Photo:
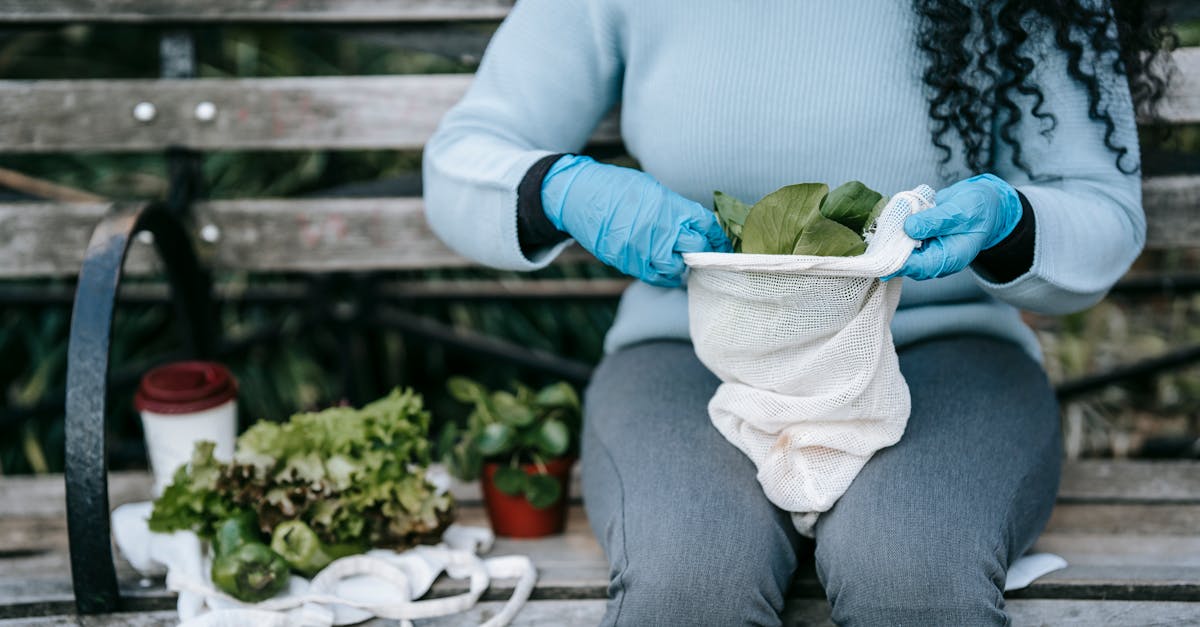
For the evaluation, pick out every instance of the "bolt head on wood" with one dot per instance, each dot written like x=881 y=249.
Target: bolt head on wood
x=206 y=111
x=210 y=233
x=145 y=112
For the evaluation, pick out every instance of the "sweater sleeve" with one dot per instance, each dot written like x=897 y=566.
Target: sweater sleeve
x=548 y=76
x=1089 y=220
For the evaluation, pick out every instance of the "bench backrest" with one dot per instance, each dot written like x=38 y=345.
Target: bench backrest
x=280 y=114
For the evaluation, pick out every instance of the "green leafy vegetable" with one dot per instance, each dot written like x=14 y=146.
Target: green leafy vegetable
x=802 y=219
x=192 y=501
x=352 y=476
x=851 y=205
x=731 y=213
x=829 y=239
x=874 y=215
x=776 y=221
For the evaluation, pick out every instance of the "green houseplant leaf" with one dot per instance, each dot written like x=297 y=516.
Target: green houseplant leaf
x=510 y=480
x=495 y=439
x=542 y=491
x=553 y=438
x=465 y=390
x=775 y=222
x=511 y=411
x=851 y=205
x=560 y=395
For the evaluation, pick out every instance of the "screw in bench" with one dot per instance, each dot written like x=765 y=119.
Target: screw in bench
x=210 y=233
x=145 y=112
x=206 y=111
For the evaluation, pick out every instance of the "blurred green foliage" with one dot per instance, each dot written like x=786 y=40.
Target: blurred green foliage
x=305 y=371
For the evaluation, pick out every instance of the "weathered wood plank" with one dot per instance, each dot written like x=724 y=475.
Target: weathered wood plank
x=44 y=239
x=1122 y=550
x=1121 y=564
x=1107 y=481
x=356 y=112
x=1134 y=519
x=333 y=234
x=797 y=613
x=351 y=112
x=142 y=11
x=286 y=11
x=1172 y=204
x=1182 y=104
x=1087 y=481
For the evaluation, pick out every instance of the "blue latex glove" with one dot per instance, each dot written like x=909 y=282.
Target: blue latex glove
x=627 y=219
x=969 y=216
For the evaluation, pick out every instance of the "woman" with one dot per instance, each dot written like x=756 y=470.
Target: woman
x=746 y=97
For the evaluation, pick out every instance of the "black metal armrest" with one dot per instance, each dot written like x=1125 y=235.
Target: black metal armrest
x=93 y=574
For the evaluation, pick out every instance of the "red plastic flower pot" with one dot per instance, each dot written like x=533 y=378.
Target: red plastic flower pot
x=513 y=516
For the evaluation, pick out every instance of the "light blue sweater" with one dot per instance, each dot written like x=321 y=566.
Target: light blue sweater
x=747 y=97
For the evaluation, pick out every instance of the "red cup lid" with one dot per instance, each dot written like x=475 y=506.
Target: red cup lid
x=184 y=387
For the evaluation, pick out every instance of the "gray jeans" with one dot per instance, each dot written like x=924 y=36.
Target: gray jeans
x=923 y=536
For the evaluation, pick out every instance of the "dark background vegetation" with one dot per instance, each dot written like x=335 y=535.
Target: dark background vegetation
x=305 y=371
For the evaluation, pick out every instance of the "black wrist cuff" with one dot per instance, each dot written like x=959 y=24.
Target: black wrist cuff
x=1013 y=256
x=534 y=230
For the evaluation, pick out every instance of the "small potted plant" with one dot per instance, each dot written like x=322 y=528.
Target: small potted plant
x=521 y=445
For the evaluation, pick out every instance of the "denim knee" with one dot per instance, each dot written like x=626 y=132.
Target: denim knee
x=694 y=593
x=912 y=581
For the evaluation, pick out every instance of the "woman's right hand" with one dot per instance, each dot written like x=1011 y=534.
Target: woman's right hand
x=627 y=219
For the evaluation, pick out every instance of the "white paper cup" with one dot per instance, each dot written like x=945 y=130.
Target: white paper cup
x=182 y=403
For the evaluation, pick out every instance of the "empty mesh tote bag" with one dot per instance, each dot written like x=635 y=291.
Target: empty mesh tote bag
x=811 y=386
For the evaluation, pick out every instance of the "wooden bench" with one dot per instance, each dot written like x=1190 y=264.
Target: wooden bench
x=1129 y=529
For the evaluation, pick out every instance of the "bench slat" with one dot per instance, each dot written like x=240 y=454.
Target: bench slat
x=1102 y=482
x=798 y=613
x=285 y=235
x=339 y=112
x=343 y=112
x=1133 y=551
x=1144 y=481
x=43 y=239
x=286 y=11
x=1182 y=106
x=34 y=570
x=140 y=11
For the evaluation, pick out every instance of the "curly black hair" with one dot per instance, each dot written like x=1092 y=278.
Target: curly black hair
x=981 y=53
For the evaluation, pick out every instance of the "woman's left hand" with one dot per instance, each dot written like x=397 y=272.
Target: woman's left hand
x=970 y=216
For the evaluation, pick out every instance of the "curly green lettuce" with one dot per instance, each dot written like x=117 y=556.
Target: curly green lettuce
x=192 y=501
x=353 y=476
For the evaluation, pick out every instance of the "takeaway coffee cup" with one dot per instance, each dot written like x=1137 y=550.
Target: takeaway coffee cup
x=181 y=403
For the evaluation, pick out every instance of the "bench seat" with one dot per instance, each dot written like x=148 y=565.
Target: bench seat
x=1130 y=530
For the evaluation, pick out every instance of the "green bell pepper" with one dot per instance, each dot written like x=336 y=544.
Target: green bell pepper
x=304 y=551
x=243 y=566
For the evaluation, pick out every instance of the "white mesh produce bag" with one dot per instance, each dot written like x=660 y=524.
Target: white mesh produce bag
x=811 y=386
